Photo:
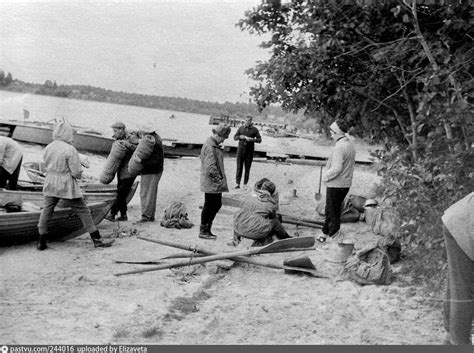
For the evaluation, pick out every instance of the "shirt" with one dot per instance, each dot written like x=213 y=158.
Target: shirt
x=250 y=131
x=340 y=166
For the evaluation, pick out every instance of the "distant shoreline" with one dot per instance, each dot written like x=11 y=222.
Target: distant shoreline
x=178 y=104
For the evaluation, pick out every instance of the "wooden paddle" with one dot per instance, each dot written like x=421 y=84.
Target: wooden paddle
x=291 y=243
x=318 y=195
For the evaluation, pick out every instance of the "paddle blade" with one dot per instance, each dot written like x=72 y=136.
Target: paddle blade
x=285 y=244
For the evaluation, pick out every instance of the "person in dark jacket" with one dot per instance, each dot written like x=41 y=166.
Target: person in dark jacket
x=213 y=180
x=124 y=179
x=247 y=135
x=151 y=175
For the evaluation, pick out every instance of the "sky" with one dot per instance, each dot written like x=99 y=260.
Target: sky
x=190 y=49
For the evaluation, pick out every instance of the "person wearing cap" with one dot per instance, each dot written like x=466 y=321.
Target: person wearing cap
x=150 y=174
x=338 y=179
x=63 y=170
x=124 y=179
x=213 y=181
x=257 y=218
x=11 y=156
x=247 y=135
x=458 y=228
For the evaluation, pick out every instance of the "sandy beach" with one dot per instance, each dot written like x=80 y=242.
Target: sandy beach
x=69 y=294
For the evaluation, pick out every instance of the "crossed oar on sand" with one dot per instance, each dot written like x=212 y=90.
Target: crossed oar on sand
x=284 y=245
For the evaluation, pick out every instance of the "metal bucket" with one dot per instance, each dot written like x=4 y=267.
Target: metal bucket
x=339 y=252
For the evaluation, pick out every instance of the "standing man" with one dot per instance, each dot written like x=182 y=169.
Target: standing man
x=247 y=135
x=151 y=175
x=340 y=169
x=458 y=223
x=10 y=162
x=124 y=179
x=63 y=170
x=213 y=179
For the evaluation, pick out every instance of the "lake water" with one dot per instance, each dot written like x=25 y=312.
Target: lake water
x=186 y=127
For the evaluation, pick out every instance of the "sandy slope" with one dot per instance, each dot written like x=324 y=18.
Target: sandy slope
x=68 y=294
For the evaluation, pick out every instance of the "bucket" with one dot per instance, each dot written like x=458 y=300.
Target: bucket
x=339 y=252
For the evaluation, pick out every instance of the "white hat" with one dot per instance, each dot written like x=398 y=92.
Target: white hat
x=370 y=202
x=147 y=127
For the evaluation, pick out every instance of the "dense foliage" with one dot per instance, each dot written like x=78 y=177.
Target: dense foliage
x=401 y=73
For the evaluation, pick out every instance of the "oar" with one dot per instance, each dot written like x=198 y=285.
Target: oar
x=292 y=243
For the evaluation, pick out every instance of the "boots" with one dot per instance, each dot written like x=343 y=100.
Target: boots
x=210 y=231
x=99 y=242
x=205 y=232
x=41 y=245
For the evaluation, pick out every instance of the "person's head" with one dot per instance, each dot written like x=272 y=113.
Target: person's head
x=248 y=120
x=221 y=132
x=119 y=130
x=147 y=128
x=338 y=129
x=62 y=131
x=265 y=184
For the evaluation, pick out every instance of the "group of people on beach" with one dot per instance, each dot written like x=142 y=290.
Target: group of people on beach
x=257 y=218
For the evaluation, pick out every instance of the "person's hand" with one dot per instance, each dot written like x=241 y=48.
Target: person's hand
x=138 y=159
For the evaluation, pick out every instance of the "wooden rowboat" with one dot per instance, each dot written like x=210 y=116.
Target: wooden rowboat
x=22 y=227
x=36 y=172
x=95 y=190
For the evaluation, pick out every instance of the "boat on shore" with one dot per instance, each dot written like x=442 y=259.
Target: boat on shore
x=22 y=227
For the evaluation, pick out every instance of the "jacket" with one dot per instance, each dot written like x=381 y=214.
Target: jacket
x=254 y=219
x=459 y=220
x=213 y=179
x=154 y=163
x=340 y=166
x=10 y=154
x=63 y=165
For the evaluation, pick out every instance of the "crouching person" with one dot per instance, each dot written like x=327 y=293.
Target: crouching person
x=257 y=218
x=63 y=170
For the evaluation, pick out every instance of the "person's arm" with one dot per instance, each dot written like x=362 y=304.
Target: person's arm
x=258 y=138
x=210 y=164
x=74 y=164
x=336 y=164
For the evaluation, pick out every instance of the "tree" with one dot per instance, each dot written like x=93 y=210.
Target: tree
x=400 y=72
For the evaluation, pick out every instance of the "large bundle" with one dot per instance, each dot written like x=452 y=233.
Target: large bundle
x=349 y=212
x=143 y=151
x=113 y=161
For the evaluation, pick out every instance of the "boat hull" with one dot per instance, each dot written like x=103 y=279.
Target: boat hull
x=22 y=227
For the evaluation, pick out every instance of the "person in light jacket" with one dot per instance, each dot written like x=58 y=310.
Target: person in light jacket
x=340 y=170
x=257 y=217
x=458 y=223
x=213 y=179
x=63 y=170
x=11 y=156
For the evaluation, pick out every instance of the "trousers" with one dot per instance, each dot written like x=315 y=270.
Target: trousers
x=212 y=205
x=334 y=200
x=78 y=206
x=149 y=194
x=123 y=188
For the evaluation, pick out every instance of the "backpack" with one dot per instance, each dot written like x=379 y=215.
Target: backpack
x=349 y=213
x=176 y=216
x=383 y=221
x=369 y=265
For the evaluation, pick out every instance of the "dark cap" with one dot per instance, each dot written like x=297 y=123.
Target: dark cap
x=118 y=125
x=222 y=130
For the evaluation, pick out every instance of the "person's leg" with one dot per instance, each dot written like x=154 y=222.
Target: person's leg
x=248 y=165
x=80 y=208
x=148 y=195
x=122 y=192
x=338 y=196
x=4 y=176
x=459 y=304
x=13 y=180
x=115 y=207
x=212 y=204
x=46 y=214
x=240 y=165
x=278 y=230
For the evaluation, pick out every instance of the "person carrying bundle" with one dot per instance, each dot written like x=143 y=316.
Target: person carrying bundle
x=63 y=170
x=125 y=179
x=257 y=218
